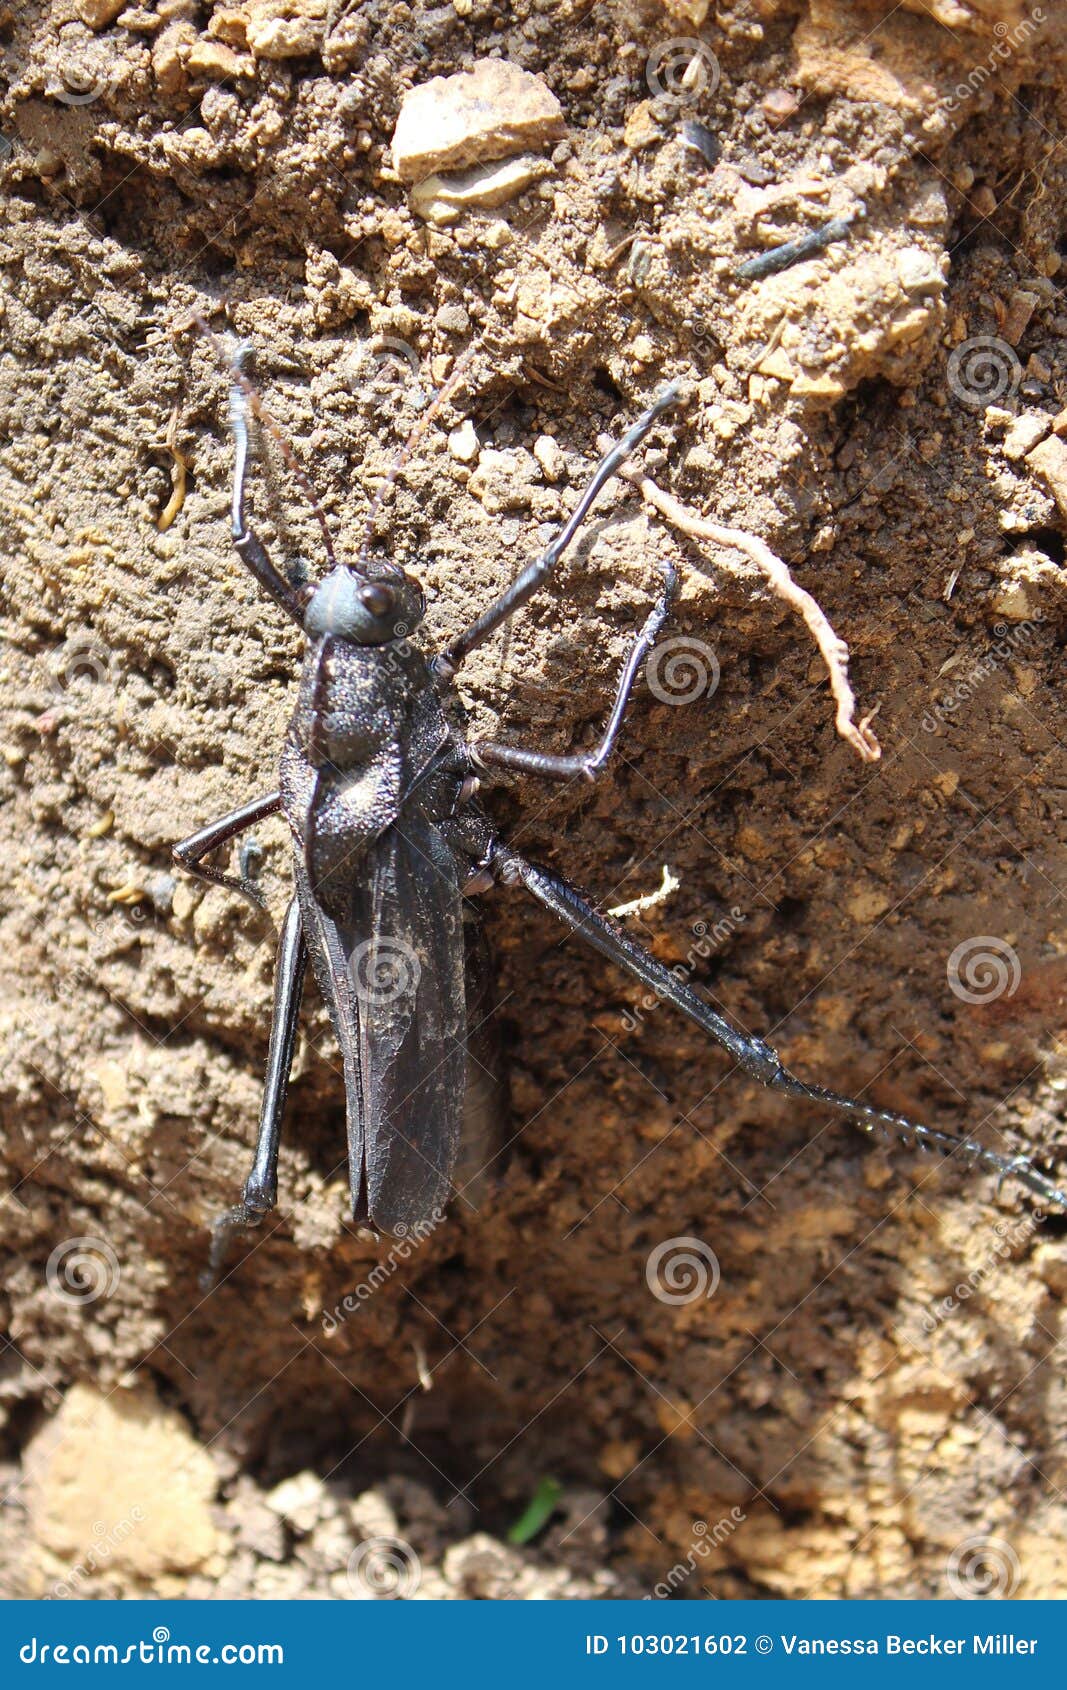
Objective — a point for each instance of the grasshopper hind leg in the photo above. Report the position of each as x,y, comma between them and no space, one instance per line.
753,1055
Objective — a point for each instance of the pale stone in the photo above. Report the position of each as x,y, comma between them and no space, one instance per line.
918,271
779,105
818,387
442,199
867,905
463,442
286,29
496,234
215,60
120,1481
1012,601
641,129
1024,433
690,11
1050,461
1021,307
550,456
298,1500
97,14
778,364
502,480
169,55
490,112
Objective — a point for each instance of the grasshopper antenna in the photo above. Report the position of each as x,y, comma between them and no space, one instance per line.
440,398
251,397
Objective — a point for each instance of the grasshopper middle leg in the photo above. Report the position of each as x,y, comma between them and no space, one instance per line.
261,1186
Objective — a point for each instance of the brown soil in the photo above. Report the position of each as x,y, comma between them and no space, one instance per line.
822,1424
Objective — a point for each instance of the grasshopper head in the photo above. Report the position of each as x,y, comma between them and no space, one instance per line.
365,609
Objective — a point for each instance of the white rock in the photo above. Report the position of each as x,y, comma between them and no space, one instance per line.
1024,433
463,442
550,456
298,1500
443,199
490,112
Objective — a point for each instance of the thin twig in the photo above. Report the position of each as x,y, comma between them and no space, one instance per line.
833,649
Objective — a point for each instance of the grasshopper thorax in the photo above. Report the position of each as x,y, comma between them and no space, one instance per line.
364,609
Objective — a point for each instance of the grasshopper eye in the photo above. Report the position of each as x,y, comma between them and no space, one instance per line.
377,598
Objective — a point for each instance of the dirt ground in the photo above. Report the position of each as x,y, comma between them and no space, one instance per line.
700,1341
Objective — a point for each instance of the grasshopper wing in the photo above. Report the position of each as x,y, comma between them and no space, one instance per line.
392,972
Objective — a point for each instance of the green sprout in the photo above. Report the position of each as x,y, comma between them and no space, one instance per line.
538,1512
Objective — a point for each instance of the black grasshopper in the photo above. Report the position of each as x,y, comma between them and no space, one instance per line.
390,845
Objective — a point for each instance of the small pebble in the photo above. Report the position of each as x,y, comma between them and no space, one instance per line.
489,112
698,138
1024,433
1021,307
549,455
779,105
463,442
